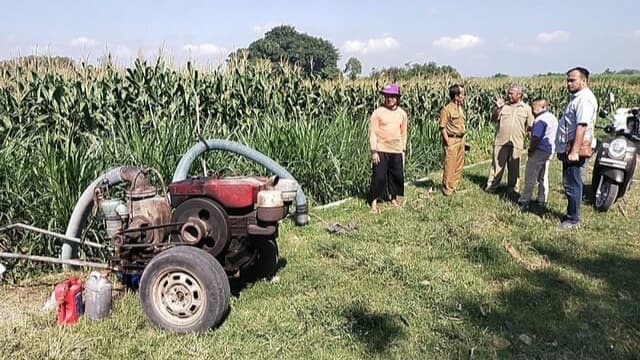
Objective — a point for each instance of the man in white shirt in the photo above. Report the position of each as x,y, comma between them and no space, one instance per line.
576,127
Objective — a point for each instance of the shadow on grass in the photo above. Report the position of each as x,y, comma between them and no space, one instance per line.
587,194
427,183
377,331
479,180
542,210
249,277
578,308
502,191
507,195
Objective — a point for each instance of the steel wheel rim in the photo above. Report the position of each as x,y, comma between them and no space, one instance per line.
178,296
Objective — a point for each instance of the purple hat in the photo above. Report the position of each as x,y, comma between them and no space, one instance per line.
391,89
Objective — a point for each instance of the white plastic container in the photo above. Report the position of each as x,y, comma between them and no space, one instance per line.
269,199
97,296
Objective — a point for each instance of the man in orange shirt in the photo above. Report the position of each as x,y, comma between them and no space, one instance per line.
387,141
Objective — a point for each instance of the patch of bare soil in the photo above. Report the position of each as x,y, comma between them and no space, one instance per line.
19,301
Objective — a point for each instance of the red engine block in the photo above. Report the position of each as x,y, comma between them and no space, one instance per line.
230,192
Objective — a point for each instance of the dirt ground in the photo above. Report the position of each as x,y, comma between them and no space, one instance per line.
19,301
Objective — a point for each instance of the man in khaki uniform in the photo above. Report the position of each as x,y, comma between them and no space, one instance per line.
514,120
452,132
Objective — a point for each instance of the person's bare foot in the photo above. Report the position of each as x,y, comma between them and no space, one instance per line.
374,207
395,203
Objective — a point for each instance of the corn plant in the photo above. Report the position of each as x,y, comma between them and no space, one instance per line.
60,127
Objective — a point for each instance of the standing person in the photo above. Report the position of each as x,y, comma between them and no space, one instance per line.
452,132
388,141
514,120
574,130
541,148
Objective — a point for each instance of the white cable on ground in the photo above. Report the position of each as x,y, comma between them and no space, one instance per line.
340,202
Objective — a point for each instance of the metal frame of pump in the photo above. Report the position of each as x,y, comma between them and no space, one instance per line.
143,199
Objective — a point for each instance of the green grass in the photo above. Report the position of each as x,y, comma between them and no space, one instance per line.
430,280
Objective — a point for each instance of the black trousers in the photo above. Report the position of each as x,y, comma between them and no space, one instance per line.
387,178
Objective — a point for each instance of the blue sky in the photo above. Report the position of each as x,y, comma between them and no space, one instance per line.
479,38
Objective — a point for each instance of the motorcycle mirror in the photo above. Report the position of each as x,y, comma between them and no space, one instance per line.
603,113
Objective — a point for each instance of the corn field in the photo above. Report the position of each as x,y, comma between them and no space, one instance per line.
61,127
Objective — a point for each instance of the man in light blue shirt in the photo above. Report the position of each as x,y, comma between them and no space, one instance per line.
541,146
575,129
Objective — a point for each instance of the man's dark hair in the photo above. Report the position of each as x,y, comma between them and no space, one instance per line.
584,72
544,102
454,90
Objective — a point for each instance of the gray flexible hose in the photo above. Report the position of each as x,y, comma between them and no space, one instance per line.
82,209
114,177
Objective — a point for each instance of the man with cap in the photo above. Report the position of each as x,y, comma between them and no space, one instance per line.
387,141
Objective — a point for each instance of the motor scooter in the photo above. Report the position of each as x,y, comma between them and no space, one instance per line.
615,162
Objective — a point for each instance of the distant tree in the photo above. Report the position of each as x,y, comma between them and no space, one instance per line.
499,75
238,56
409,71
41,60
608,71
315,56
552,74
629,72
353,68
450,71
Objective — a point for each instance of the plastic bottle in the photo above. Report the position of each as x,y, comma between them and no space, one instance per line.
98,296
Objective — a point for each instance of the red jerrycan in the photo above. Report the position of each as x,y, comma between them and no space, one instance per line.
68,295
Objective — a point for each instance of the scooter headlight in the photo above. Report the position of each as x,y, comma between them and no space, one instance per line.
617,148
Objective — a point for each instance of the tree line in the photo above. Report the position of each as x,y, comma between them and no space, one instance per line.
313,56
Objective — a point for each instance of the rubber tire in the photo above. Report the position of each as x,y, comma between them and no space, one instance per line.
595,180
266,264
609,196
205,269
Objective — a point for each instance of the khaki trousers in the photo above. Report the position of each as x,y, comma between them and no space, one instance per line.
536,170
504,156
453,163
